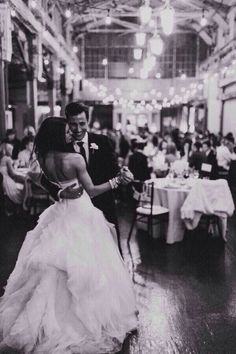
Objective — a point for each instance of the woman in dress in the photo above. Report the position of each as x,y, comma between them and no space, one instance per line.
70,292
13,184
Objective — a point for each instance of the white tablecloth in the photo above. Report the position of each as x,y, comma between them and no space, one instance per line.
172,194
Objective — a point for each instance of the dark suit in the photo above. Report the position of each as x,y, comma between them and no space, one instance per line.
138,165
196,160
101,167
211,160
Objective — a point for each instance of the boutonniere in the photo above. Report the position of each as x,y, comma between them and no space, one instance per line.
93,146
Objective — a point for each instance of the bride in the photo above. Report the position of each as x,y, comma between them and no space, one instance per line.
70,292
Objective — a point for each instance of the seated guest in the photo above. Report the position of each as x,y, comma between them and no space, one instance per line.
12,139
197,156
210,159
163,147
171,153
12,183
29,131
138,163
225,153
151,148
26,156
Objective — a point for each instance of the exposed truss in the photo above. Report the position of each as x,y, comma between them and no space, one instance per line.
89,15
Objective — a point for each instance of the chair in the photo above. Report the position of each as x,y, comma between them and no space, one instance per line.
37,198
145,210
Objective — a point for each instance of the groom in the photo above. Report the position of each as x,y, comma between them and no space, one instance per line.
99,157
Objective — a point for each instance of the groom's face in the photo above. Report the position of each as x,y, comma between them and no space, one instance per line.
78,125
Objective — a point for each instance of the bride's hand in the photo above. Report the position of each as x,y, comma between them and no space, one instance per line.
71,193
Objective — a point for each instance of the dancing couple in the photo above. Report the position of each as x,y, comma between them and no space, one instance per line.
70,292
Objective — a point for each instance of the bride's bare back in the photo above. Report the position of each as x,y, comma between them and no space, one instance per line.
60,166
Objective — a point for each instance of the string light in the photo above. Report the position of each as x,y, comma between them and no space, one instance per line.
68,13
104,62
13,12
33,4
75,49
131,70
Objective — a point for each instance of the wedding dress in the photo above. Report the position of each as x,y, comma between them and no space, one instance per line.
70,291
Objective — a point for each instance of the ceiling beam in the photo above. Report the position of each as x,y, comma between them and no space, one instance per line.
202,33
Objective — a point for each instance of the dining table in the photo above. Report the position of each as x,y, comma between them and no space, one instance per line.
171,193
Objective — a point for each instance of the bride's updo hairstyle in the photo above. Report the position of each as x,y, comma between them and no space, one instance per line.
50,136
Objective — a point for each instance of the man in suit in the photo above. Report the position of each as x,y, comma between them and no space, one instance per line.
138,163
210,158
100,160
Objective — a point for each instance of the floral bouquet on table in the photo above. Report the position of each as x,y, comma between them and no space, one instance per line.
179,167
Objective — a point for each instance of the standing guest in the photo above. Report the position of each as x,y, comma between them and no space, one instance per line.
197,156
13,184
210,158
225,153
29,131
138,162
12,139
171,153
26,156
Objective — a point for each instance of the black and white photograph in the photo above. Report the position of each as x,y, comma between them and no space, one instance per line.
117,177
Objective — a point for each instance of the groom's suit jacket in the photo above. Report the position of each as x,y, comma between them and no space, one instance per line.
102,166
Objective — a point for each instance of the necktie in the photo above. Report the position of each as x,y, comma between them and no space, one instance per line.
82,150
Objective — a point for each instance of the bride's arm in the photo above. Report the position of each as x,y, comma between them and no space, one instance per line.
85,180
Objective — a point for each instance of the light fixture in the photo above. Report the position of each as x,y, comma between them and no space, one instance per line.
104,61
140,38
167,15
33,4
149,62
137,53
203,21
158,75
46,61
143,74
75,49
131,70
13,12
145,12
61,70
68,13
108,18
156,44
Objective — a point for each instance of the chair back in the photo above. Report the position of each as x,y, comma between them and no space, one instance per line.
143,193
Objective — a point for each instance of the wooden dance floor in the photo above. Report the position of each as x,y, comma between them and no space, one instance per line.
186,292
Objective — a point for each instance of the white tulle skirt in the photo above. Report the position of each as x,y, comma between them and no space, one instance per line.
70,291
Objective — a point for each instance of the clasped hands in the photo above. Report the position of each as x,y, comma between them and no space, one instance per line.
73,192
125,176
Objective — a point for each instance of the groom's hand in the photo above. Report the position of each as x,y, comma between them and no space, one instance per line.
71,193
126,176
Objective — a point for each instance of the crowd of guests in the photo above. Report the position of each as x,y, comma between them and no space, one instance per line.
146,154
15,153
149,155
